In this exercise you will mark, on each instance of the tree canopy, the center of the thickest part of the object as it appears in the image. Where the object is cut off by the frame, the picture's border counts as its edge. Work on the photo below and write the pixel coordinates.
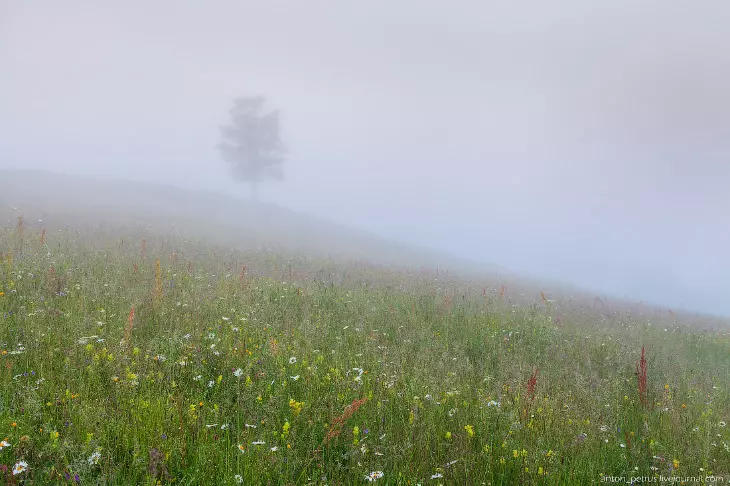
(251, 143)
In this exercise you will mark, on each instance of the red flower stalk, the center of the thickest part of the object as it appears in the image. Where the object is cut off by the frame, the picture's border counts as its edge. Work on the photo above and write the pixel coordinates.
(336, 426)
(532, 385)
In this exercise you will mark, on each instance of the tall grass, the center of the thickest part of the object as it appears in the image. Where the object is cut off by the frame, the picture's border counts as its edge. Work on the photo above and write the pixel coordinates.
(125, 365)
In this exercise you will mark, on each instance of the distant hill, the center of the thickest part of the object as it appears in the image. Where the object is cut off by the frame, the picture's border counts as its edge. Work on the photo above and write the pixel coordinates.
(68, 200)
(61, 199)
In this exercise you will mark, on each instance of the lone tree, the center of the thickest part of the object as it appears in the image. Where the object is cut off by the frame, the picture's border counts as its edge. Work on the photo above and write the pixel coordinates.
(250, 143)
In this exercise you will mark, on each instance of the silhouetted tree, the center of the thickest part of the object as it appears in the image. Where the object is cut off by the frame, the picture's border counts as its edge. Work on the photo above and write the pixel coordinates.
(251, 144)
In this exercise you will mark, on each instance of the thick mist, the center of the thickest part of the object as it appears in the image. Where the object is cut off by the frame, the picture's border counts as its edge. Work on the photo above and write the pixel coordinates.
(578, 141)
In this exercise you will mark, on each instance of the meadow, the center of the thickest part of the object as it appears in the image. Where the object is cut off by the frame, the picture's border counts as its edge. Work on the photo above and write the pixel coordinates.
(130, 355)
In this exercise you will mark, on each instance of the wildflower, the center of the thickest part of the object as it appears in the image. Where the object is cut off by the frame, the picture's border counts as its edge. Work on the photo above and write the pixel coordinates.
(296, 406)
(249, 426)
(4, 444)
(448, 435)
(469, 430)
(20, 467)
(374, 476)
(437, 476)
(275, 448)
(94, 458)
(675, 463)
(501, 460)
(292, 360)
(238, 478)
(493, 403)
(295, 378)
(722, 424)
(211, 383)
(238, 372)
(241, 448)
(604, 428)
(258, 442)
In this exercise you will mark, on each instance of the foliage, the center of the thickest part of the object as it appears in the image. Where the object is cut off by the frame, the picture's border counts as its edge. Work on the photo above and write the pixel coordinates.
(124, 364)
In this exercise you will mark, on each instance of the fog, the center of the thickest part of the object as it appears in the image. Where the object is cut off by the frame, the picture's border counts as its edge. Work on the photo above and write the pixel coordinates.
(581, 141)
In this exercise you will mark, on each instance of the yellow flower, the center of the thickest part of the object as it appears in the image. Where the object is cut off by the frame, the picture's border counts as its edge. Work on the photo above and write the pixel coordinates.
(469, 430)
(448, 435)
(666, 387)
(675, 463)
(540, 471)
(2, 294)
(501, 460)
(295, 406)
(515, 453)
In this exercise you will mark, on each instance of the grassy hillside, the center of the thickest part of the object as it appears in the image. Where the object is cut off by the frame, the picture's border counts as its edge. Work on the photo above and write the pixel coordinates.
(137, 353)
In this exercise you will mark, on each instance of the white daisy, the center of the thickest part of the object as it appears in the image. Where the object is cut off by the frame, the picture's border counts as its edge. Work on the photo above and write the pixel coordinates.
(292, 360)
(238, 373)
(20, 467)
(4, 444)
(374, 476)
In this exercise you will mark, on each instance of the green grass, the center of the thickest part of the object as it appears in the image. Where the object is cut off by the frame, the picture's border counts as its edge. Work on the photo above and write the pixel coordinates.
(210, 366)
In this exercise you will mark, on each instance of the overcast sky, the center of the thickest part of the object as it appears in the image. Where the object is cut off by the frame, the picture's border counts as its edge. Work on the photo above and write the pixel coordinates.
(584, 141)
